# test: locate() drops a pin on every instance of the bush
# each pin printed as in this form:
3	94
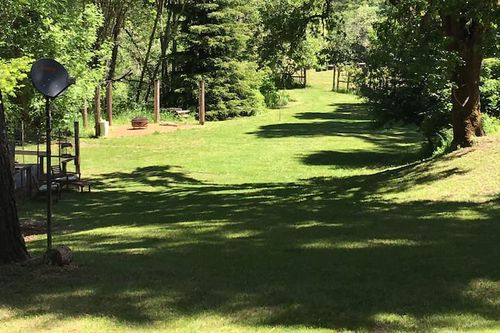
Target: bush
233	91
409	103
273	98
491	124
490	87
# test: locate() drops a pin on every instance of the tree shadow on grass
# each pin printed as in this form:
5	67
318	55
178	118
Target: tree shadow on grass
359	158
390	146
151	176
319	253
341	111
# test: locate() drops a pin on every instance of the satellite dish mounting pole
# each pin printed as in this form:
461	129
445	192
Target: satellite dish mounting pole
52	80
48	119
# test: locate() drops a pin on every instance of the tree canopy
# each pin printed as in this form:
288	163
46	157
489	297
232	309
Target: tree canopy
422	59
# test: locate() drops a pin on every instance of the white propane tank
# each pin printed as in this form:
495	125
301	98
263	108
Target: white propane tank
104	128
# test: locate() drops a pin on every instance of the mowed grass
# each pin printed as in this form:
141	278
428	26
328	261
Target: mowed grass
301	220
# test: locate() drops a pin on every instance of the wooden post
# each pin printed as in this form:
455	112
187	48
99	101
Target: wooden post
348	80
85	115
60	256
23	139
22	134
338	78
109	101
305	77
334	77
157	101
97	111
77	147
201	114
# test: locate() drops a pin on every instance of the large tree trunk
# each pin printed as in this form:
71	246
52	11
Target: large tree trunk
466	113
466	110
12	246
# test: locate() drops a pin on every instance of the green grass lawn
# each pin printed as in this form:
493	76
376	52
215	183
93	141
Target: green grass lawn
306	219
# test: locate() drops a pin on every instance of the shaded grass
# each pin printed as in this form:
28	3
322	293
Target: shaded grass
315	222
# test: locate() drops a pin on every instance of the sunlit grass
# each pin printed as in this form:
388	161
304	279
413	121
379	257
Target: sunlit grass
305	219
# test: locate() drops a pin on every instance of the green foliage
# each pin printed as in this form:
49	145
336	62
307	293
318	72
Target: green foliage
402	87
490	88
491	124
349	40
214	38
299	34
233	90
287	42
12	73
410	69
65	31
272	96
75	50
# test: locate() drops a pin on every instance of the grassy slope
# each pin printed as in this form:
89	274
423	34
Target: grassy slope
305	221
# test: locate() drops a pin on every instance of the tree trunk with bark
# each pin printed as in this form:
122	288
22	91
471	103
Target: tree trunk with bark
167	38
12	246
120	19
465	33
159	13
466	112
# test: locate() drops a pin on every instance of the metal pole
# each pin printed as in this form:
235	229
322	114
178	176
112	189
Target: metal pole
49	172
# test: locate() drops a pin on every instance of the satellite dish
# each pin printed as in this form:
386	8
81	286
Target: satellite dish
50	78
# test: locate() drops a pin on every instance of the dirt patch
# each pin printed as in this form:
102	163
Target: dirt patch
127	130
481	144
31	227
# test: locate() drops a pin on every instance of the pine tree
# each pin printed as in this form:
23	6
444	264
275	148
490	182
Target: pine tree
214	47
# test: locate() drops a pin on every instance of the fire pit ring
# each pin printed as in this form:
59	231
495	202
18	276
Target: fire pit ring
139	122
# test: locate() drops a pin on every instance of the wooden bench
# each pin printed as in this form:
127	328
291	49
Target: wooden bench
183	113
69	179
179	112
81	185
55	187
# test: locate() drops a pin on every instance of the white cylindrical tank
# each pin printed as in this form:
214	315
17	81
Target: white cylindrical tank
104	128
